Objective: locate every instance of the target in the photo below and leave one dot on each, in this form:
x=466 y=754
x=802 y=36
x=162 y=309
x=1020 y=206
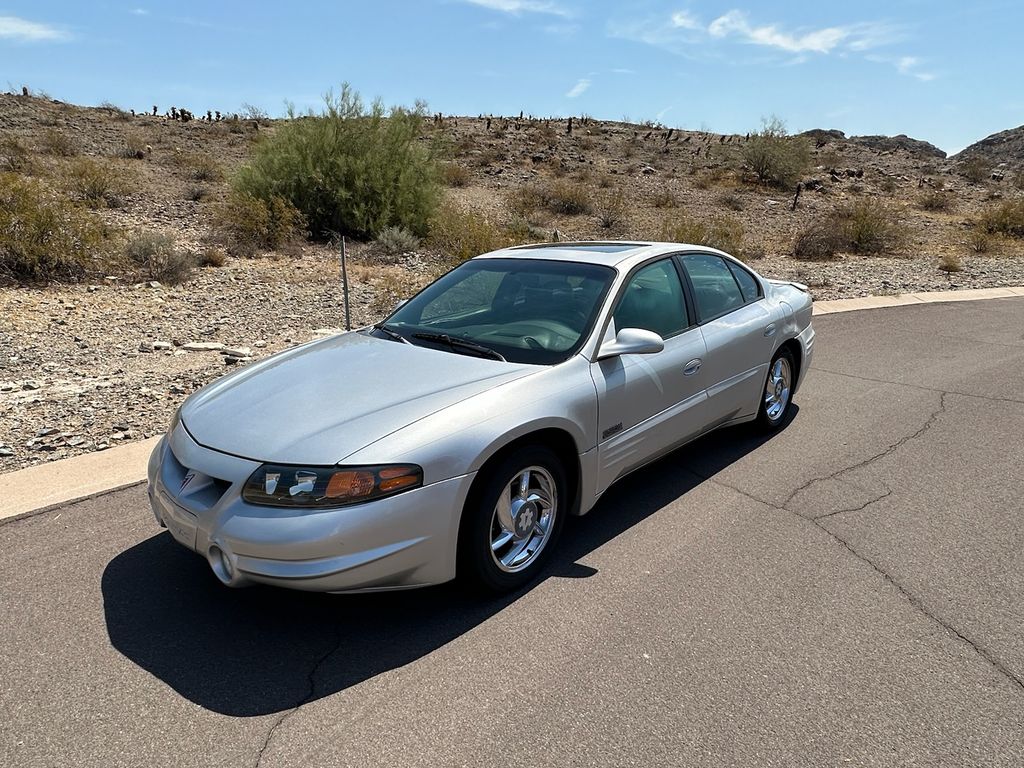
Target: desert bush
x=522 y=230
x=199 y=165
x=775 y=157
x=979 y=240
x=1005 y=219
x=134 y=146
x=395 y=241
x=950 y=262
x=98 y=184
x=866 y=227
x=459 y=234
x=247 y=224
x=819 y=241
x=935 y=200
x=975 y=169
x=253 y=112
x=664 y=197
x=15 y=156
x=197 y=193
x=526 y=199
x=58 y=143
x=709 y=178
x=213 y=256
x=348 y=170
x=1018 y=180
x=888 y=185
x=722 y=232
x=115 y=111
x=731 y=200
x=870 y=227
x=46 y=237
x=568 y=198
x=612 y=208
x=455 y=175
x=154 y=256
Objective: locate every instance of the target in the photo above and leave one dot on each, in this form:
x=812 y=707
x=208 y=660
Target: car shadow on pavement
x=263 y=650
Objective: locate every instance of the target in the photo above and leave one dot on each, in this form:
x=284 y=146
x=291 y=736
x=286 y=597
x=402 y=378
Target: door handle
x=692 y=367
x=770 y=330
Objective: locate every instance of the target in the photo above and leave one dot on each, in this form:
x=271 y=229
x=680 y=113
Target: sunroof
x=596 y=247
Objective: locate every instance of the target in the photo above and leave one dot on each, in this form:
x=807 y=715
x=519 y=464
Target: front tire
x=511 y=524
x=777 y=395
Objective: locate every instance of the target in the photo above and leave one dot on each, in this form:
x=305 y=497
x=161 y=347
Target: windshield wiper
x=457 y=343
x=383 y=328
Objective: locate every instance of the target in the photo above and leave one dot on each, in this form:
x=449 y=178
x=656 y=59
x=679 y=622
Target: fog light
x=221 y=564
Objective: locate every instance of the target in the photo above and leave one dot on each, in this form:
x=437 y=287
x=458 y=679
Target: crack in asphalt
x=818 y=522
x=888 y=451
x=311 y=679
x=861 y=508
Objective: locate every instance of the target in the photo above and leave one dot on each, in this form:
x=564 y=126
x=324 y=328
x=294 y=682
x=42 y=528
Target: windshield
x=525 y=310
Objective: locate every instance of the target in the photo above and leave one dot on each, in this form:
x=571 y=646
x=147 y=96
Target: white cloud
x=685 y=20
x=521 y=6
x=577 y=90
x=139 y=12
x=13 y=28
x=905 y=65
x=736 y=23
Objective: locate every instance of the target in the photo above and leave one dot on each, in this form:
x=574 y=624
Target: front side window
x=653 y=300
x=714 y=288
x=528 y=310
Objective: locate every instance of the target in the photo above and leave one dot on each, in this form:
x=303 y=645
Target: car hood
x=320 y=402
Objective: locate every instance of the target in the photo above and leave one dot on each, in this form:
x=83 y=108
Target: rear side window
x=714 y=288
x=747 y=282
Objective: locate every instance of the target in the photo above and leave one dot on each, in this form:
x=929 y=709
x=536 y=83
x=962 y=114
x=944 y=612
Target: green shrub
x=97 y=184
x=155 y=257
x=349 y=170
x=722 y=232
x=1006 y=219
x=247 y=224
x=395 y=241
x=777 y=158
x=45 y=237
x=459 y=235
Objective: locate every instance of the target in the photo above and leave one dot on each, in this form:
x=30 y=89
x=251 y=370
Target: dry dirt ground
x=85 y=366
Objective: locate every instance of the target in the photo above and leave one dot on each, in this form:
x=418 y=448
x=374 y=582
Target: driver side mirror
x=631 y=341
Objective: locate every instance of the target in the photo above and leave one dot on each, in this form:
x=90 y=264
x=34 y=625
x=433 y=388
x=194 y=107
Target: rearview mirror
x=631 y=341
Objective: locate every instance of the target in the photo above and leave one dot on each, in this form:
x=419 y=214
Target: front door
x=648 y=404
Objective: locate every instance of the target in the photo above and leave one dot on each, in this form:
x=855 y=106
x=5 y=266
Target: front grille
x=191 y=488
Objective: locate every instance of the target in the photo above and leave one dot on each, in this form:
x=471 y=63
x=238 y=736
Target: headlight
x=275 y=485
x=175 y=420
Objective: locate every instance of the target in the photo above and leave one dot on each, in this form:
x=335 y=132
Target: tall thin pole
x=344 y=283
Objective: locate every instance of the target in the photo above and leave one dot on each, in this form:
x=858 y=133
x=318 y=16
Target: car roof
x=610 y=253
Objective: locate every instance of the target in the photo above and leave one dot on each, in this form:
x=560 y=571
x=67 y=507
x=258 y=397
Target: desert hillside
x=106 y=353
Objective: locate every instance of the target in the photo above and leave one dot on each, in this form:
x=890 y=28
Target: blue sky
x=946 y=72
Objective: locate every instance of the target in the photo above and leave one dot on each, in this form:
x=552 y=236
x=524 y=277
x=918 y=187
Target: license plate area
x=181 y=523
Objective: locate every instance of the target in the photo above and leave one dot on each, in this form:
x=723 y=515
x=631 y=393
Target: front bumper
x=806 y=339
x=404 y=541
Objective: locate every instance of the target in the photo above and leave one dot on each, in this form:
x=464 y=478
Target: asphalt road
x=849 y=592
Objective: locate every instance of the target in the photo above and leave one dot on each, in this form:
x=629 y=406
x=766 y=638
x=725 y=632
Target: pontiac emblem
x=188 y=479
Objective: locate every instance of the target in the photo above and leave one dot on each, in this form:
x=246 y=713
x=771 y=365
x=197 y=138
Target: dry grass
x=1005 y=219
x=612 y=208
x=155 y=257
x=99 y=184
x=975 y=169
x=664 y=197
x=950 y=262
x=455 y=175
x=459 y=235
x=59 y=144
x=936 y=201
x=865 y=227
x=46 y=237
x=722 y=232
x=199 y=166
x=247 y=225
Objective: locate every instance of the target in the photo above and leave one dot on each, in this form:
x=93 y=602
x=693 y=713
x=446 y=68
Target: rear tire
x=512 y=520
x=777 y=395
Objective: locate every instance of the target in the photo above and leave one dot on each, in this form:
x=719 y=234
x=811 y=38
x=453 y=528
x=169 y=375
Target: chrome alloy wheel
x=523 y=519
x=777 y=389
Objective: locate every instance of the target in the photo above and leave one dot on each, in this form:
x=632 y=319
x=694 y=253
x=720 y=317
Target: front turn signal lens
x=276 y=485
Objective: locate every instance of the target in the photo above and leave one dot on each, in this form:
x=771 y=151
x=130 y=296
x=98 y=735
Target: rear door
x=648 y=404
x=738 y=332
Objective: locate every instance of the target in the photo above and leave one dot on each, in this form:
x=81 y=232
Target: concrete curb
x=45 y=486
x=38 y=489
x=906 y=299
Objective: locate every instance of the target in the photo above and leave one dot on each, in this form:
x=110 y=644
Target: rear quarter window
x=748 y=284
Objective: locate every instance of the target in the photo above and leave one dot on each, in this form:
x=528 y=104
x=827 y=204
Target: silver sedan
x=453 y=438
